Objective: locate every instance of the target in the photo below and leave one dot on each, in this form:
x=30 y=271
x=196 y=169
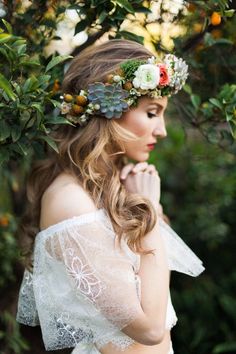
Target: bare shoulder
x=62 y=200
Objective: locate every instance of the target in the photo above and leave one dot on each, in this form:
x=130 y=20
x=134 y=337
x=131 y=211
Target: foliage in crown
x=121 y=90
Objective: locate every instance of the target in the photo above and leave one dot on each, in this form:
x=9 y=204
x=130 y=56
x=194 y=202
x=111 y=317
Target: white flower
x=147 y=77
x=117 y=78
x=65 y=107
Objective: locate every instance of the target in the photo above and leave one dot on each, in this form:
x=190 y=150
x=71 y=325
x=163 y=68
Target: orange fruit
x=68 y=98
x=215 y=18
x=197 y=27
x=56 y=86
x=81 y=100
x=110 y=78
x=77 y=109
x=4 y=221
x=128 y=85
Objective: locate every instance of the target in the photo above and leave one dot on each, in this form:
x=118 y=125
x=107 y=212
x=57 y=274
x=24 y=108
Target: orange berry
x=197 y=27
x=81 y=100
x=4 y=221
x=128 y=85
x=56 y=86
x=215 y=19
x=68 y=98
x=110 y=78
x=77 y=109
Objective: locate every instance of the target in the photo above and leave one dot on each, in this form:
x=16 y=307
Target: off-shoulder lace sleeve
x=180 y=257
x=84 y=284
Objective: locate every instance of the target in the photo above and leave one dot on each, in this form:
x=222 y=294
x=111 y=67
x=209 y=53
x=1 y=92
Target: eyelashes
x=151 y=115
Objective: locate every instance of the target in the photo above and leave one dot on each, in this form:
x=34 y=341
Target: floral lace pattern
x=81 y=283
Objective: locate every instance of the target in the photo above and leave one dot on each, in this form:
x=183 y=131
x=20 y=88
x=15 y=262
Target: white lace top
x=84 y=288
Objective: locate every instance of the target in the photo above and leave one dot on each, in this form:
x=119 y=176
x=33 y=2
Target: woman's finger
x=141 y=166
x=126 y=170
x=151 y=169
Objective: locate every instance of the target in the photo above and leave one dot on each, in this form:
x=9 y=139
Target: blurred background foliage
x=196 y=161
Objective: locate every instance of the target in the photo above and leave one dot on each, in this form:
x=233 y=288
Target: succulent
x=110 y=98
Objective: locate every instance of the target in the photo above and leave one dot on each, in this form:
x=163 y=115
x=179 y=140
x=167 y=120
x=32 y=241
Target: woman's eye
x=151 y=115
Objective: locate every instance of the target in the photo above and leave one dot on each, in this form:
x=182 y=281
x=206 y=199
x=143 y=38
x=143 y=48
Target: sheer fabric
x=84 y=288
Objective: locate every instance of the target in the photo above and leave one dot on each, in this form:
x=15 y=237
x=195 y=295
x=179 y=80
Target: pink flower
x=164 y=77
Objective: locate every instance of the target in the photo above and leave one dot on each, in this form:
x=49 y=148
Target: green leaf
x=225 y=347
x=81 y=25
x=216 y=103
x=196 y=101
x=38 y=107
x=131 y=36
x=5 y=37
x=5 y=85
x=50 y=142
x=8 y=26
x=126 y=5
x=22 y=148
x=229 y=13
x=30 y=83
x=15 y=133
x=57 y=60
x=142 y=9
x=4 y=130
x=188 y=89
x=4 y=156
x=103 y=15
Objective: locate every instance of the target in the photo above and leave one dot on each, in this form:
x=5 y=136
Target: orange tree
x=32 y=57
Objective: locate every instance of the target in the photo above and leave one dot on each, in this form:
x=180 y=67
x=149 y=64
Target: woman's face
x=147 y=122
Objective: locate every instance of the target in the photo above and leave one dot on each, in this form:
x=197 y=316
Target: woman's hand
x=142 y=179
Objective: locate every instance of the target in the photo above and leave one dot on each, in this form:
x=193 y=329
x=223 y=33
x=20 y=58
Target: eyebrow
x=156 y=105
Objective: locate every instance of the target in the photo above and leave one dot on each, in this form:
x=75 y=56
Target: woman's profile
x=101 y=252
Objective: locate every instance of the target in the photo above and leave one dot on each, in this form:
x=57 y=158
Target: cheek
x=135 y=123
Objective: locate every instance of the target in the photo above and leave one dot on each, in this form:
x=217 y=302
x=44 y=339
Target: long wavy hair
x=94 y=154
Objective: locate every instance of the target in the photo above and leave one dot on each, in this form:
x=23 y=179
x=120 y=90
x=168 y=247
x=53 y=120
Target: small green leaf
x=22 y=148
x=5 y=37
x=15 y=133
x=188 y=89
x=50 y=142
x=4 y=130
x=57 y=60
x=8 y=26
x=126 y=5
x=225 y=347
x=229 y=13
x=5 y=85
x=196 y=101
x=4 y=156
x=81 y=26
x=131 y=36
x=216 y=103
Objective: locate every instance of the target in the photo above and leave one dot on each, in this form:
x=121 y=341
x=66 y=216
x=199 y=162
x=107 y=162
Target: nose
x=160 y=129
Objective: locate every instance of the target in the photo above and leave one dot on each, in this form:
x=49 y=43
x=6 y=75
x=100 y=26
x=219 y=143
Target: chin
x=140 y=158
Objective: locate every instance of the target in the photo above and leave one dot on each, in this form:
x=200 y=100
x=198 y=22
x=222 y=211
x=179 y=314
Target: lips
x=151 y=146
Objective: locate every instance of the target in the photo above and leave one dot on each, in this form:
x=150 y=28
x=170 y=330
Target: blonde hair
x=94 y=154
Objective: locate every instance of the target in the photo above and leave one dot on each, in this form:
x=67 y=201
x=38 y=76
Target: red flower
x=164 y=78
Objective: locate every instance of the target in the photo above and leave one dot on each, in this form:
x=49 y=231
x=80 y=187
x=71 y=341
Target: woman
x=102 y=254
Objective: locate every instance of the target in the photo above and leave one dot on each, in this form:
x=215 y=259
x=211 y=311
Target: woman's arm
x=150 y=327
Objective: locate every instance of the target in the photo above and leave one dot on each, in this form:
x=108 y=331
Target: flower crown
x=133 y=79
